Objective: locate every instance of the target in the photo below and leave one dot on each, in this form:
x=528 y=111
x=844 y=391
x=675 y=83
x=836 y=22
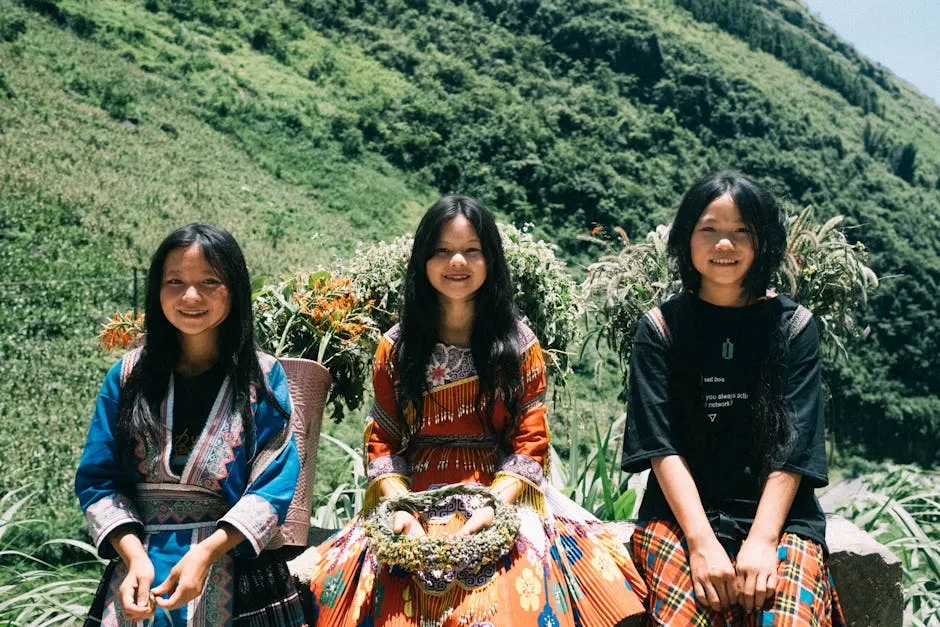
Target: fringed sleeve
x=528 y=462
x=382 y=440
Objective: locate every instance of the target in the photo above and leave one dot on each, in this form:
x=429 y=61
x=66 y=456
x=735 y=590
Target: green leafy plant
x=901 y=509
x=346 y=499
x=34 y=590
x=595 y=482
x=320 y=316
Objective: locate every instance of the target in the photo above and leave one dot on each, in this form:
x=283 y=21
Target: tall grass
x=592 y=476
x=901 y=509
x=38 y=587
x=345 y=499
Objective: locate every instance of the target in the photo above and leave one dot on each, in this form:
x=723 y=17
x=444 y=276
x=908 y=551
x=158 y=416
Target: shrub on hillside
x=11 y=27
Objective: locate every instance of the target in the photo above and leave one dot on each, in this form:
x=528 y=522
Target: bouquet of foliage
x=828 y=275
x=624 y=286
x=122 y=330
x=545 y=293
x=378 y=273
x=320 y=316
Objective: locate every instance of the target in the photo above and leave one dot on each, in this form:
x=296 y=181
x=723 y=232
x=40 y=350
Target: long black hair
x=494 y=341
x=772 y=434
x=146 y=386
x=761 y=213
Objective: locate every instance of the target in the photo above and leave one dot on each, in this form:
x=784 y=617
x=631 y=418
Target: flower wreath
x=436 y=562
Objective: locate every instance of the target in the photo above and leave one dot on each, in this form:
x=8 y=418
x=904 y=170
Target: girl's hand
x=134 y=591
x=187 y=579
x=756 y=572
x=406 y=523
x=712 y=573
x=483 y=517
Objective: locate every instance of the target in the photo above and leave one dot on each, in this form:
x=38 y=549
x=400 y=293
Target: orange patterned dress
x=565 y=568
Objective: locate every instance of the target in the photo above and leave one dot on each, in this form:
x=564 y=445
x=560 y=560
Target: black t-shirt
x=723 y=346
x=193 y=398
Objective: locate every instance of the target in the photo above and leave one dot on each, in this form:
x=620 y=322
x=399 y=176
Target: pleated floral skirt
x=565 y=569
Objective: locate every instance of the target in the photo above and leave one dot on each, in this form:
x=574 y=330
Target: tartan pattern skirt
x=805 y=595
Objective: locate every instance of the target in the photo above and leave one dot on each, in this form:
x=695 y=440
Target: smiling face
x=192 y=295
x=722 y=252
x=457 y=268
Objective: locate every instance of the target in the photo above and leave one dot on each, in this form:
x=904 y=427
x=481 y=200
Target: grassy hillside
x=306 y=125
x=87 y=194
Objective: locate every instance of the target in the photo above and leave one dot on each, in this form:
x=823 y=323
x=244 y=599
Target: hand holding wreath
x=437 y=562
x=405 y=522
x=480 y=519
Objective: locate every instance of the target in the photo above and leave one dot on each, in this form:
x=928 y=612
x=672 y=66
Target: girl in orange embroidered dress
x=459 y=398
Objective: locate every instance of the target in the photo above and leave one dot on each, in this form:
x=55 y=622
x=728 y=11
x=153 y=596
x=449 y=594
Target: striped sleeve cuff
x=255 y=518
x=107 y=514
x=524 y=467
x=388 y=465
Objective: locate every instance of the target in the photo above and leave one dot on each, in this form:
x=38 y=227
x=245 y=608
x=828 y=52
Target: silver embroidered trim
x=388 y=465
x=798 y=321
x=524 y=466
x=107 y=514
x=255 y=517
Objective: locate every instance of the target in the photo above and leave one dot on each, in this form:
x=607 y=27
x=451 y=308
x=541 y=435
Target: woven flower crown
x=437 y=562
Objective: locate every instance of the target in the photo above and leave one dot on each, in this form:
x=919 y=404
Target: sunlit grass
x=35 y=588
x=901 y=509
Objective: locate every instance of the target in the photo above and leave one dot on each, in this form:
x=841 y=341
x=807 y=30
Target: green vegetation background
x=307 y=125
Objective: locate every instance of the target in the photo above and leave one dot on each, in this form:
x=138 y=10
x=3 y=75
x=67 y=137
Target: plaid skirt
x=805 y=595
x=264 y=595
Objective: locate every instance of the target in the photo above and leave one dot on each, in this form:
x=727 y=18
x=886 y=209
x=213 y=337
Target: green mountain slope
x=306 y=125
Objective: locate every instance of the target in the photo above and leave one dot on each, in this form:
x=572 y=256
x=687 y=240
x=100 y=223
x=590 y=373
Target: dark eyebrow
x=442 y=242
x=710 y=218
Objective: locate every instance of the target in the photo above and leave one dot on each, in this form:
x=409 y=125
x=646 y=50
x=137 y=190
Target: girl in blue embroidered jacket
x=189 y=465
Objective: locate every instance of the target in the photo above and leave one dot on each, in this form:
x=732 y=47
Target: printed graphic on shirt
x=721 y=396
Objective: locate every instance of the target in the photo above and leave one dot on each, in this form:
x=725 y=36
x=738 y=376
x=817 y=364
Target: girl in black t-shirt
x=725 y=407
